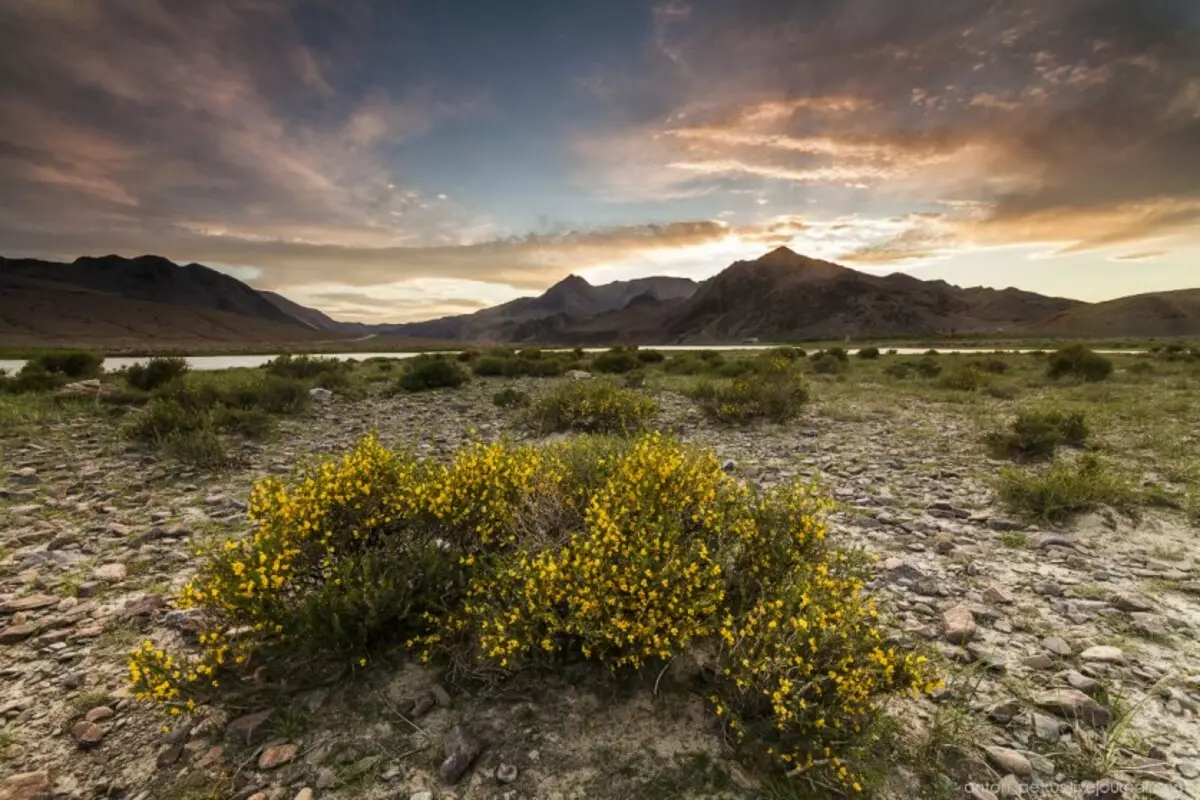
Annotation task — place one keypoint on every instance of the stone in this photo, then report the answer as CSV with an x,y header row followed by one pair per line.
x,y
1058,646
25,475
441,696
320,395
578,374
30,602
977,792
1039,661
86,734
1104,654
251,728
959,625
1075,705
110,572
277,755
1040,541
996,597
1129,602
17,633
1048,588
1001,524
98,714
143,606
1046,728
25,786
1077,680
944,547
1188,770
506,773
1009,761
304,794
426,795
1010,786
1004,712
460,747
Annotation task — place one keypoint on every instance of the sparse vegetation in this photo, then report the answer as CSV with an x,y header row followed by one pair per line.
x,y
1079,363
869,353
1036,435
431,372
595,406
73,364
1066,488
615,361
775,392
510,398
827,363
155,373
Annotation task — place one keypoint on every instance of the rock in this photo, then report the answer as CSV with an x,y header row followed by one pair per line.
x,y
1188,770
277,755
251,728
506,773
1004,712
1104,654
304,794
1039,661
320,395
959,625
110,572
1077,680
1046,728
1001,524
144,606
441,696
1048,588
996,597
1075,705
578,375
1009,761
944,547
977,792
421,796
1129,602
1148,625
1058,646
423,705
98,714
1010,786
17,633
1040,541
461,747
25,786
31,602
87,734
92,387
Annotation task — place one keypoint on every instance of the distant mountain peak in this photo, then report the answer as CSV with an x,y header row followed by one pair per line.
x,y
572,281
781,253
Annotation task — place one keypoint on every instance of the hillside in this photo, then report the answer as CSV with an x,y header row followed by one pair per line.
x,y
1159,314
40,313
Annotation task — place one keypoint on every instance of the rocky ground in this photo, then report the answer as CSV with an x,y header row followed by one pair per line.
x,y
1071,654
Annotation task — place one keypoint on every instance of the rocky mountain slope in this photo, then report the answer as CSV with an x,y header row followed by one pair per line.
x,y
1152,314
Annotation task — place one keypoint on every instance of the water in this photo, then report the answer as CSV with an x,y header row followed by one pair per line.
x,y
234,361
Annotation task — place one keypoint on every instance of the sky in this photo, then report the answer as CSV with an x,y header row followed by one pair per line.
x,y
399,160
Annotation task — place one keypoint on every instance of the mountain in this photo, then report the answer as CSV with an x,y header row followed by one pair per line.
x,y
784,295
1155,314
564,304
154,279
41,313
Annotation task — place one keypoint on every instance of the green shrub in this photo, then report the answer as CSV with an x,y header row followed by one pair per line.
x,y
431,372
651,356
932,352
510,398
1141,368
252,423
164,417
1078,362
827,363
687,364
992,366
965,378
155,373
515,367
927,367
735,369
32,377
837,352
199,448
1064,489
303,367
615,362
595,406
1036,435
72,363
898,369
270,393
868,352
790,353
777,397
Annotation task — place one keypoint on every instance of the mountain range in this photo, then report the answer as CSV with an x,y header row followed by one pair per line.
x,y
114,302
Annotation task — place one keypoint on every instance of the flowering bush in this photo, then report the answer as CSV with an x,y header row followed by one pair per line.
x,y
629,553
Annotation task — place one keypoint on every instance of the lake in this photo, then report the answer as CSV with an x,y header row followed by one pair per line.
x,y
234,361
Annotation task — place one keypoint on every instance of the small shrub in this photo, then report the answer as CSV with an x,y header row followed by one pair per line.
x,y
515,367
776,394
510,398
635,379
1141,368
826,363
838,353
1037,434
927,367
72,363
200,448
992,366
651,356
1078,362
164,417
155,373
965,378
32,377
424,373
1064,489
892,351
273,394
615,362
252,423
735,369
790,353
932,352
687,364
467,356
868,353
899,370
302,367
595,406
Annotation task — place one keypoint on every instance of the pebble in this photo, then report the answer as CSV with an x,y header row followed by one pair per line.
x,y
277,755
1009,761
1105,654
87,734
959,624
460,747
